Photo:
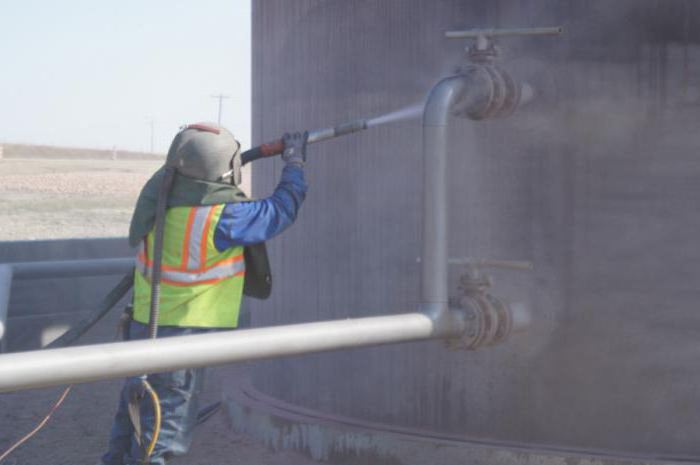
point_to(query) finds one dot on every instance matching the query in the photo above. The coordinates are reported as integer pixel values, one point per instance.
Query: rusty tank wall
(595, 182)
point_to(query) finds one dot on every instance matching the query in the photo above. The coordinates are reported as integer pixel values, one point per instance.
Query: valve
(489, 320)
(504, 92)
(484, 48)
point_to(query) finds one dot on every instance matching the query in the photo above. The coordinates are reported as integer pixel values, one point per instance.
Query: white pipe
(43, 368)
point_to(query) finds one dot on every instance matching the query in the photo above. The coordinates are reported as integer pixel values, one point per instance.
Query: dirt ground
(52, 199)
(78, 432)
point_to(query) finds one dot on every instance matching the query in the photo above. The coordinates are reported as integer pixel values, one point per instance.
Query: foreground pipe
(36, 369)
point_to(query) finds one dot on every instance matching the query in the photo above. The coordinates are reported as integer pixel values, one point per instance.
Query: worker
(213, 253)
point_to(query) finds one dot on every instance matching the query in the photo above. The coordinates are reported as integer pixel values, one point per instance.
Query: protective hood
(185, 192)
(206, 151)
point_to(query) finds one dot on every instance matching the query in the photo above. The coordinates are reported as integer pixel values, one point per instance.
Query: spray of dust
(405, 113)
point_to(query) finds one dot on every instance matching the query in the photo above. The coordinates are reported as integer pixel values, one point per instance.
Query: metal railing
(52, 269)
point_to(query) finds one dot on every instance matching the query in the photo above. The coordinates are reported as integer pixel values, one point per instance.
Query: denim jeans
(178, 392)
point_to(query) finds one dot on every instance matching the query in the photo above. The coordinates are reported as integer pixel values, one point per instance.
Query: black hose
(107, 303)
(161, 207)
(207, 412)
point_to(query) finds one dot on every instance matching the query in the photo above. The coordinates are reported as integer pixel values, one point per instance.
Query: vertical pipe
(435, 234)
(465, 94)
(5, 286)
(686, 35)
(434, 294)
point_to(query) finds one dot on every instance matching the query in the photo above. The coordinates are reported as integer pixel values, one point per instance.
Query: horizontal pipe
(44, 368)
(509, 264)
(71, 268)
(525, 31)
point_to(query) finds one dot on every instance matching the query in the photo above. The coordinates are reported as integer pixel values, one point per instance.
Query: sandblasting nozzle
(318, 135)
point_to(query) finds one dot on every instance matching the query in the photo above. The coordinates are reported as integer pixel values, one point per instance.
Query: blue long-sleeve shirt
(247, 223)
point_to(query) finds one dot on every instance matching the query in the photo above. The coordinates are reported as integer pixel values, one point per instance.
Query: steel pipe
(44, 368)
(466, 91)
(478, 92)
(434, 295)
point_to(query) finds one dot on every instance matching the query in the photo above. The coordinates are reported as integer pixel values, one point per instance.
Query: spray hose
(159, 233)
(161, 206)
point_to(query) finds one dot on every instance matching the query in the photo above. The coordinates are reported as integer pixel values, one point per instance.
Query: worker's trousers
(178, 392)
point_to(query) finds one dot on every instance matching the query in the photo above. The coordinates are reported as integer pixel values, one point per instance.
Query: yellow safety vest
(200, 286)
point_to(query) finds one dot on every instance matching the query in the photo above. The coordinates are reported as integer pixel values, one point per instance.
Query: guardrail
(52, 269)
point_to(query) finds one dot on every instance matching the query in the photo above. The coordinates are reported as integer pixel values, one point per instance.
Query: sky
(79, 73)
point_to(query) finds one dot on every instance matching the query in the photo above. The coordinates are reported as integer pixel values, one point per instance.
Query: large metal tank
(594, 182)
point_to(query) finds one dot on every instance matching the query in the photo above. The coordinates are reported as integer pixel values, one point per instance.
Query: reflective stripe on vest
(193, 268)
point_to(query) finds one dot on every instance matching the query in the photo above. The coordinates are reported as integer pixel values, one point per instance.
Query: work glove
(295, 148)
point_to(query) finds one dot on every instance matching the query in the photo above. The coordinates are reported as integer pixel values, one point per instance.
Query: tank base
(347, 441)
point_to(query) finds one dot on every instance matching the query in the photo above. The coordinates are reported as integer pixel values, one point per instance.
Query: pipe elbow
(441, 99)
(466, 94)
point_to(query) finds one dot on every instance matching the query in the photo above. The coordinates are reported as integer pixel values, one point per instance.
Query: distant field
(53, 198)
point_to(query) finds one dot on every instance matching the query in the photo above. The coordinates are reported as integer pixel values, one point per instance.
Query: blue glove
(295, 148)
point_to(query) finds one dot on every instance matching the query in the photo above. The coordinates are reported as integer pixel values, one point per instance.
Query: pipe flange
(504, 320)
(478, 324)
(471, 338)
(499, 91)
(488, 321)
(479, 95)
(512, 95)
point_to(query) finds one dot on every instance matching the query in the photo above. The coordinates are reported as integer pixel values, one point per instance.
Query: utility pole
(221, 98)
(153, 123)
